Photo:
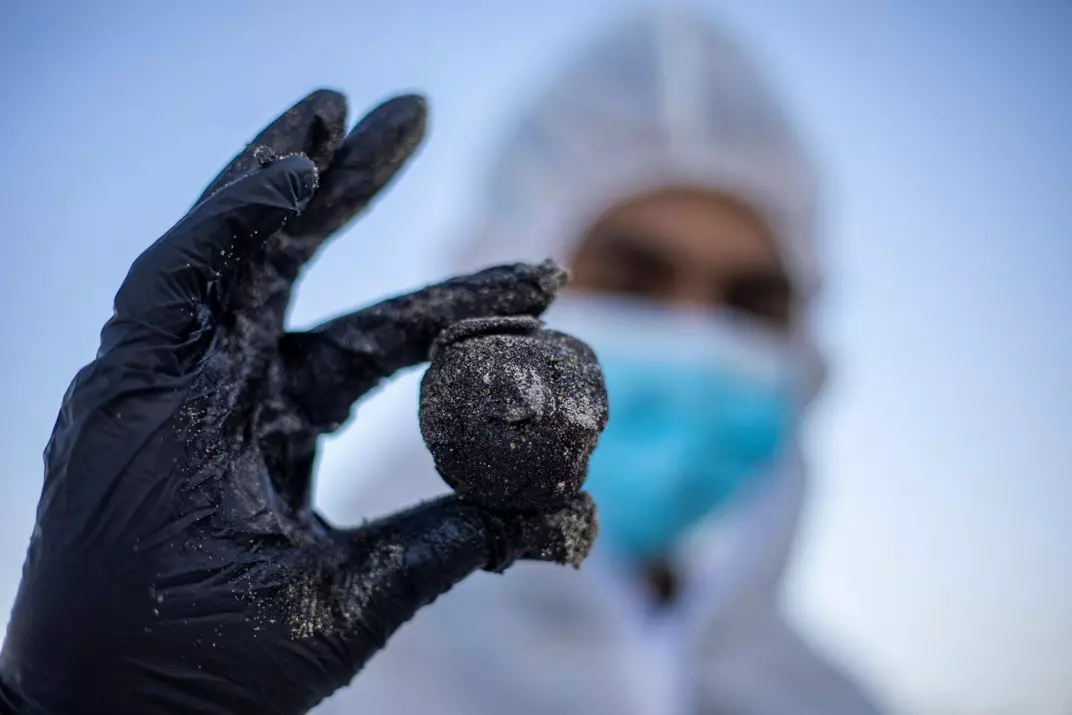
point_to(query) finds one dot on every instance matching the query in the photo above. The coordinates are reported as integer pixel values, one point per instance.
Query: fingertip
(551, 277)
(414, 99)
(323, 108)
(409, 110)
(543, 283)
(315, 125)
(294, 179)
(578, 527)
(400, 120)
(326, 98)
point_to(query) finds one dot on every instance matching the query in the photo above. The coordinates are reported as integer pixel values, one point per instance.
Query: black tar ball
(511, 412)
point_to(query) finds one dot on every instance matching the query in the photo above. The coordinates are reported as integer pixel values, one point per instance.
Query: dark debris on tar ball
(511, 412)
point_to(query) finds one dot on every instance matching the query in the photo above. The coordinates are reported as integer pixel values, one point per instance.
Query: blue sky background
(936, 554)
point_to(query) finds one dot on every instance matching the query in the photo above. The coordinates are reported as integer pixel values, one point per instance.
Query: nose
(696, 291)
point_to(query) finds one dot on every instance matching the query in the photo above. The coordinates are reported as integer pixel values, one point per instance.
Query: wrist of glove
(177, 564)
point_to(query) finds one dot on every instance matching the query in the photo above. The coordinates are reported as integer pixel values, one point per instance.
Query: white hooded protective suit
(666, 100)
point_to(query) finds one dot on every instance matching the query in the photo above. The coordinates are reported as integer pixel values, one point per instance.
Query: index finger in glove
(184, 278)
(331, 366)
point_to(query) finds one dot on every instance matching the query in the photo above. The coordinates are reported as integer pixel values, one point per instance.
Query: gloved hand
(177, 565)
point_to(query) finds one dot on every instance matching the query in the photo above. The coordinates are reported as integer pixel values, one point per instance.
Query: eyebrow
(765, 278)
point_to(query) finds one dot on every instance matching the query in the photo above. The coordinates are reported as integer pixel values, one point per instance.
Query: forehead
(705, 231)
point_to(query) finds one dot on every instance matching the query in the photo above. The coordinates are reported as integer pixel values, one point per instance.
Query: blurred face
(688, 428)
(686, 248)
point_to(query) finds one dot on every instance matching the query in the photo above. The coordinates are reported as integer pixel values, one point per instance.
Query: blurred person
(661, 169)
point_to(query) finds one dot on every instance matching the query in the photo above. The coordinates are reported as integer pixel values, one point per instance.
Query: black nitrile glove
(177, 565)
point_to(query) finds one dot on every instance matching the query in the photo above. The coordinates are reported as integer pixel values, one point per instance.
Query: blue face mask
(700, 407)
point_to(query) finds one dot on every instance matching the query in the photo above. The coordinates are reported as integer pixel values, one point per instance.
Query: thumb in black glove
(177, 565)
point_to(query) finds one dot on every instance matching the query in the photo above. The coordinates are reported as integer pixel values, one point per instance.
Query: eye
(625, 263)
(767, 296)
(642, 284)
